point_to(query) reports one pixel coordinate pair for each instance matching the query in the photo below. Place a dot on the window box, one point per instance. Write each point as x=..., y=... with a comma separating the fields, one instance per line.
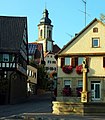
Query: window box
x=79, y=69
x=67, y=69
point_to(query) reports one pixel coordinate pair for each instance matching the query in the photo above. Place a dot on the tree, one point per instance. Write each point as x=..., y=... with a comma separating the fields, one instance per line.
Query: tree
x=41, y=76
x=102, y=17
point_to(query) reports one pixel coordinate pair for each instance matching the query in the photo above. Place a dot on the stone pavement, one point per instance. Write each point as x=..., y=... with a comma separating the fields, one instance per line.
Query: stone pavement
x=38, y=108
x=50, y=116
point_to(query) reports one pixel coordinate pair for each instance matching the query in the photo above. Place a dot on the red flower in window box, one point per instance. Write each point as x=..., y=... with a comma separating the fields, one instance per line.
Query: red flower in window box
x=67, y=69
x=79, y=69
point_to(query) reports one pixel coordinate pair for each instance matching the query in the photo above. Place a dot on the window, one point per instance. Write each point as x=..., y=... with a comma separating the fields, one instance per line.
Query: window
x=95, y=42
x=49, y=61
x=95, y=30
x=67, y=61
x=5, y=74
x=41, y=33
x=54, y=68
x=67, y=83
x=80, y=83
x=47, y=68
x=80, y=60
x=54, y=62
x=49, y=33
x=5, y=57
x=104, y=62
x=51, y=68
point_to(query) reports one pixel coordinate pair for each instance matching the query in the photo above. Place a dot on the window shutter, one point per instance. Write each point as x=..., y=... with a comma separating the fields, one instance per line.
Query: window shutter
x=1, y=57
x=62, y=62
x=87, y=61
x=74, y=61
x=103, y=61
x=10, y=58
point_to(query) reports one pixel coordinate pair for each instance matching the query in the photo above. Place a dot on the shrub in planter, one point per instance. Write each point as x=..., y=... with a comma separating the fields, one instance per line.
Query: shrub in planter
x=66, y=91
x=79, y=90
x=67, y=69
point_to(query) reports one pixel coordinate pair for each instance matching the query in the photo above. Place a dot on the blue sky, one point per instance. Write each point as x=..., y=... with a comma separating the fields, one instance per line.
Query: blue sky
x=66, y=15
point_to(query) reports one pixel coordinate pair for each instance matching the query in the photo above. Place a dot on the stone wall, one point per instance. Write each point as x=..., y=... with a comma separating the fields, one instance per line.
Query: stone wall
x=86, y=109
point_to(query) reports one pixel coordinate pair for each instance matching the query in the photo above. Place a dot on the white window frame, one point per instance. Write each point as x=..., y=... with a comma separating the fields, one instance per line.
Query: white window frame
x=80, y=60
x=67, y=82
x=80, y=83
x=93, y=44
x=67, y=61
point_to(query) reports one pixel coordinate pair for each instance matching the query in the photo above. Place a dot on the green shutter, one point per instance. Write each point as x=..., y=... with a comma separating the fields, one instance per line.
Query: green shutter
x=1, y=57
x=10, y=57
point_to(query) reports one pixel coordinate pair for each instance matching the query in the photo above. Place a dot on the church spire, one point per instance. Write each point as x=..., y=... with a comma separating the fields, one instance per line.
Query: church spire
x=45, y=32
x=45, y=19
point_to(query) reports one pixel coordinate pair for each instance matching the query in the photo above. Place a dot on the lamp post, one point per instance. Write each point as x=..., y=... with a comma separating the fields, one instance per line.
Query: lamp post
x=84, y=93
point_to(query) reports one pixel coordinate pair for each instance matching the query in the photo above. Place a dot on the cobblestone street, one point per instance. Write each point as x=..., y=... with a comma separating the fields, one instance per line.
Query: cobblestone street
x=38, y=108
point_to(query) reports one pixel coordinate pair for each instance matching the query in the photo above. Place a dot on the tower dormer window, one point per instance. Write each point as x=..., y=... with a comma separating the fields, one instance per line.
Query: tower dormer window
x=49, y=33
x=41, y=32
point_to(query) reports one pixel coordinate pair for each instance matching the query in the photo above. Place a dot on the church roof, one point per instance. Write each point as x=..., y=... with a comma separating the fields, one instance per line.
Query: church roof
x=56, y=48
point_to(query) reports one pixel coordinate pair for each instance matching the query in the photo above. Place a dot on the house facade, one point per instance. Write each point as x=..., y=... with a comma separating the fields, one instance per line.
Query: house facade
x=50, y=62
x=32, y=80
x=13, y=59
x=88, y=45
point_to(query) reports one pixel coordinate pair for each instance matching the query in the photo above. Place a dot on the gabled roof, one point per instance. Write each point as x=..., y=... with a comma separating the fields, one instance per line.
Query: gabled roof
x=32, y=48
x=47, y=53
x=36, y=49
x=11, y=32
x=72, y=40
x=56, y=48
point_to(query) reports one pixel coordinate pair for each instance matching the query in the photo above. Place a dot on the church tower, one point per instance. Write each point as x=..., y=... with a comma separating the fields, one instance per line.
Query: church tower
x=45, y=32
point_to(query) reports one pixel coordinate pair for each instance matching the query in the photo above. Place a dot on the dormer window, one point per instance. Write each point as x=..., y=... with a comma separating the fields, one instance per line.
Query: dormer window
x=95, y=42
x=95, y=30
